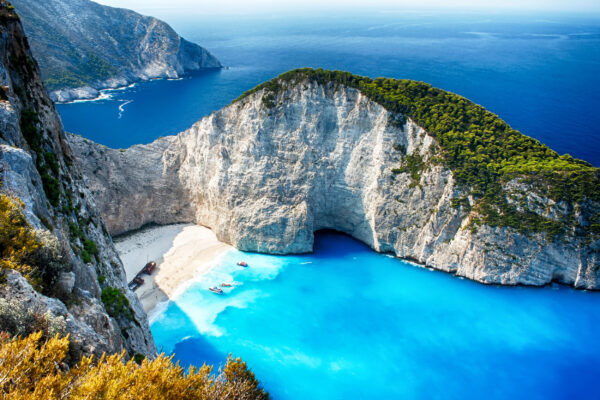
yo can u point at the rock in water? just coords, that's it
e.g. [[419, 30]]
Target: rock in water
[[83, 47], [301, 154]]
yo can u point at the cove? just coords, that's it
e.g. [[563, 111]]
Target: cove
[[347, 322]]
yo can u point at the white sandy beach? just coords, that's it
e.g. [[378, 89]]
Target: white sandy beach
[[181, 252]]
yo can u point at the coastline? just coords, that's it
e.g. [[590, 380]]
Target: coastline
[[182, 252], [103, 90]]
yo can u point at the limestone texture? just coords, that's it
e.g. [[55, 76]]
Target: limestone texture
[[269, 170]]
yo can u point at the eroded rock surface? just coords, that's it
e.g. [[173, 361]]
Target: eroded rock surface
[[59, 207]]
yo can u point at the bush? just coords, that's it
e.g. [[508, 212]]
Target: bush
[[18, 320], [35, 254], [90, 247], [18, 243], [32, 369], [116, 303]]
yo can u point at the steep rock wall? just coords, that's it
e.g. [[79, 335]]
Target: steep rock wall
[[32, 141], [267, 172]]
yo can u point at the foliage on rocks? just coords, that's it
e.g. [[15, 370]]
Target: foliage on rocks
[[34, 254], [33, 369]]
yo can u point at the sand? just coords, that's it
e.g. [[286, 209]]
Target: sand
[[182, 252]]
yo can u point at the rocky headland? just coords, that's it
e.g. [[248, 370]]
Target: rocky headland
[[405, 168], [83, 47]]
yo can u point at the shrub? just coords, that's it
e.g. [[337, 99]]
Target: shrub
[[19, 320], [18, 243], [32, 370], [116, 303], [90, 247]]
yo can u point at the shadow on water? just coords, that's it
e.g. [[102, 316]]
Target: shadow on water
[[174, 324], [196, 351], [325, 247]]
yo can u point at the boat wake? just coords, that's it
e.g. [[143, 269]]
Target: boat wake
[[122, 107]]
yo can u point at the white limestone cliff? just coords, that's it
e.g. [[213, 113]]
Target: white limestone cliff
[[266, 173]]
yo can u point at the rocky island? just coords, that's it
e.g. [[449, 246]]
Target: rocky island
[[84, 47]]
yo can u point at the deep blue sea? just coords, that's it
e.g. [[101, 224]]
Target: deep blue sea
[[349, 323], [538, 72]]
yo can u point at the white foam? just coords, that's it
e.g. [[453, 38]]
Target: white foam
[[122, 107]]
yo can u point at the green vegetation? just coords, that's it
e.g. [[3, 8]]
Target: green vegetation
[[33, 368], [482, 151], [115, 303], [87, 70], [414, 165], [46, 162], [34, 254]]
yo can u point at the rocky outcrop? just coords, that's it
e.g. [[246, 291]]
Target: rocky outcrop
[[37, 167], [268, 171], [83, 47]]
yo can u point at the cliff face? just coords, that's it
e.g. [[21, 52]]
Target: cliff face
[[38, 167], [83, 47], [271, 169]]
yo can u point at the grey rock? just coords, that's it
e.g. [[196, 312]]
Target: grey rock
[[66, 281], [87, 320]]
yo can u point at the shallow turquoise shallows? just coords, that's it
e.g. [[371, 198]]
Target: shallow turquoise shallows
[[348, 323]]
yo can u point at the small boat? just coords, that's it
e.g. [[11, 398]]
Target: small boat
[[226, 284], [215, 290], [242, 264]]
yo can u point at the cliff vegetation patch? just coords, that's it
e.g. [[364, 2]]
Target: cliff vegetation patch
[[35, 254]]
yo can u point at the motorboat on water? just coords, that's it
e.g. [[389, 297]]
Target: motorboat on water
[[226, 284], [216, 290], [242, 264]]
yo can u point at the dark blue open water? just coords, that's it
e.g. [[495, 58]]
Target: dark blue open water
[[538, 72], [348, 323]]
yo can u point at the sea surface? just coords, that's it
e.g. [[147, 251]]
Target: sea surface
[[348, 323], [538, 72]]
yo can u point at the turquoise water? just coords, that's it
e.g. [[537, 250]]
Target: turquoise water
[[538, 72], [348, 323]]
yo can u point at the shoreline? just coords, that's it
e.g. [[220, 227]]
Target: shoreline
[[182, 252], [105, 92]]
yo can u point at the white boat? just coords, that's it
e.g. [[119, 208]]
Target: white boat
[[215, 290]]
